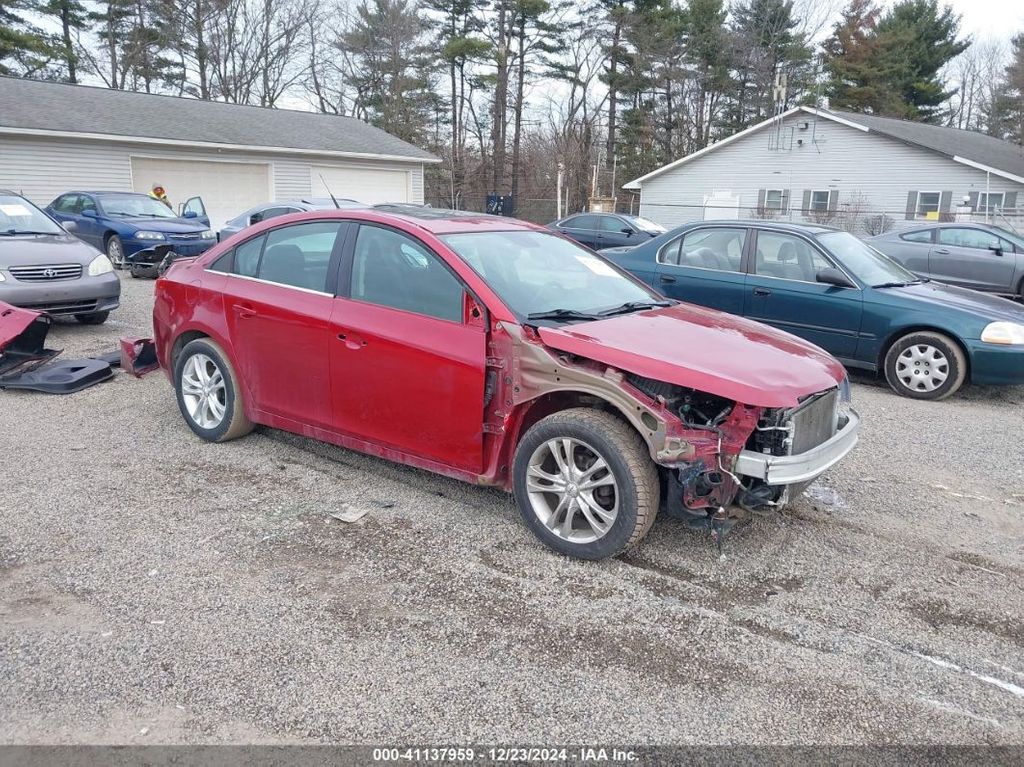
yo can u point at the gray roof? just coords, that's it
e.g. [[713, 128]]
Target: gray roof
[[46, 106], [952, 142]]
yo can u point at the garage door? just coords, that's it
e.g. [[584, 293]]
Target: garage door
[[227, 188], [369, 185]]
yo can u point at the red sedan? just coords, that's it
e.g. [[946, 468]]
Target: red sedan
[[499, 353]]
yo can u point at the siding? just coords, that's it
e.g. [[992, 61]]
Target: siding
[[867, 170], [43, 168]]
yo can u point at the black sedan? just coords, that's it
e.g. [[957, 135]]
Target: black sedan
[[607, 230]]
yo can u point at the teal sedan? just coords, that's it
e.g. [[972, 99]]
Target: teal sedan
[[829, 287]]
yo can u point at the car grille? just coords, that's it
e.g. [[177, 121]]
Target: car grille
[[185, 236], [192, 249], [815, 421], [46, 272], [63, 307]]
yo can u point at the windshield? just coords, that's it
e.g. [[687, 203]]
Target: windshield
[[1013, 237], [534, 272], [135, 205], [19, 215], [645, 224], [866, 263]]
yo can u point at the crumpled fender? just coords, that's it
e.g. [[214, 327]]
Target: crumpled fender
[[138, 356]]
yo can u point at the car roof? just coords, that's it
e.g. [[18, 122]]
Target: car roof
[[786, 226], [434, 220]]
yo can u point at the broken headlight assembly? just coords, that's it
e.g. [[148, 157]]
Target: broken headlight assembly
[[100, 265], [1003, 333]]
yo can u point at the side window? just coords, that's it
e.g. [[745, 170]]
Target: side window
[[613, 224], [787, 257], [391, 269], [922, 235], [67, 203], [299, 255], [247, 257], [275, 212], [968, 238], [86, 203], [669, 254], [585, 222], [719, 248]]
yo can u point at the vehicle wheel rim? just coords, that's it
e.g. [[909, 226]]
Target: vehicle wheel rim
[[572, 490], [115, 252], [204, 391], [922, 368]]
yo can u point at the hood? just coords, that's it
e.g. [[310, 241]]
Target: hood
[[31, 249], [981, 306], [165, 225], [22, 338], [707, 350]]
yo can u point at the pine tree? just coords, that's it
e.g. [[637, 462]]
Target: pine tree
[[854, 65], [72, 17], [1006, 119], [25, 50]]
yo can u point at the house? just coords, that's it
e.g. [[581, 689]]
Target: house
[[56, 137], [864, 173]]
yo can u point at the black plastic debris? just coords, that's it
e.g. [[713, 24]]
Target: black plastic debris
[[61, 376]]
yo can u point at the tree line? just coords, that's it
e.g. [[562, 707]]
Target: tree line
[[513, 94]]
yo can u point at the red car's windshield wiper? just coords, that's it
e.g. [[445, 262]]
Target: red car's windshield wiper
[[634, 306], [562, 314]]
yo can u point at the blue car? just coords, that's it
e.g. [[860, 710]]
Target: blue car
[[604, 230], [124, 223], [829, 287]]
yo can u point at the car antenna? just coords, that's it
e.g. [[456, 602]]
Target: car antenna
[[333, 198]]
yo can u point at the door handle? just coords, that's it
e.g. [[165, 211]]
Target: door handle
[[666, 278], [350, 341], [762, 292], [243, 311], [942, 251]]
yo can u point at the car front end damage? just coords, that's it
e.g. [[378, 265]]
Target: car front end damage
[[715, 454]]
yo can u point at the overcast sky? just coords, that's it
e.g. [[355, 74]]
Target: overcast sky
[[1001, 19]]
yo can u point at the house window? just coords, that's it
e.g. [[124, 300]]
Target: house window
[[989, 202], [773, 199], [819, 200], [928, 203]]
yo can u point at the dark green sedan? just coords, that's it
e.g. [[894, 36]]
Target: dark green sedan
[[829, 287]]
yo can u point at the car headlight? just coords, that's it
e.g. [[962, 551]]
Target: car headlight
[[2, 278], [1005, 333], [149, 236], [100, 265], [209, 234]]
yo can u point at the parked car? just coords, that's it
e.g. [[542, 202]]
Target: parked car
[[45, 268], [837, 292], [123, 223], [277, 208], [977, 256], [607, 230], [499, 353]]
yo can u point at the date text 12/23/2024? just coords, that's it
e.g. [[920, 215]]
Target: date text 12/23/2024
[[491, 754]]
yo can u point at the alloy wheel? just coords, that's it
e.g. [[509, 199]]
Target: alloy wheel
[[572, 490], [115, 251], [204, 391], [922, 368]]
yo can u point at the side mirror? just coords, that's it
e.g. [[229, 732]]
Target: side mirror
[[90, 213], [997, 249], [70, 227], [255, 218], [190, 214], [832, 276], [627, 231]]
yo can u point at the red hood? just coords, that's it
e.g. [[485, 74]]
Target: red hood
[[14, 322], [706, 350]]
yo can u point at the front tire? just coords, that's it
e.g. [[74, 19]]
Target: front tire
[[585, 484], [208, 392], [115, 251], [925, 365], [93, 318]]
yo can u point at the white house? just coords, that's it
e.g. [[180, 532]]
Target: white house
[[861, 172], [56, 137]]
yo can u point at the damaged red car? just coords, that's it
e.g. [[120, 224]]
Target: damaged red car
[[503, 354]]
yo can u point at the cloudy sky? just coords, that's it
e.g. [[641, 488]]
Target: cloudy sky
[[990, 18]]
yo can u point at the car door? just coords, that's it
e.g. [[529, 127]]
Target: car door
[[616, 232], [407, 358], [585, 229], [705, 266], [278, 310], [782, 290], [90, 226], [973, 258], [910, 249], [194, 208], [67, 207]]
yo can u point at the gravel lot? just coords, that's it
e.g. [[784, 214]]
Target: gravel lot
[[157, 589]]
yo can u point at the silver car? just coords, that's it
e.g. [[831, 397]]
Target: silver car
[[979, 256], [45, 268], [282, 208]]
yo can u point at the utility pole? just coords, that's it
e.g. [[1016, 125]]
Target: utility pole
[[558, 192]]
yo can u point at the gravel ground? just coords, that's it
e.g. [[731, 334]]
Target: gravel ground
[[157, 589]]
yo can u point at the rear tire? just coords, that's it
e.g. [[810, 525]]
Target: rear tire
[[585, 483], [93, 318], [925, 365], [208, 392]]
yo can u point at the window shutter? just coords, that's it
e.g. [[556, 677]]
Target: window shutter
[[807, 202], [1010, 201], [911, 205], [761, 193], [785, 200], [945, 199], [833, 199], [973, 200]]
